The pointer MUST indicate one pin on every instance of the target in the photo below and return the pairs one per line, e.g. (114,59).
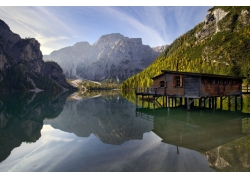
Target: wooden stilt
(215,102)
(241,102)
(212,102)
(200,100)
(235,103)
(221,102)
(188,104)
(142,101)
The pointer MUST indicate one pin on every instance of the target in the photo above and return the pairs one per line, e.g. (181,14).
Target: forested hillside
(219,45)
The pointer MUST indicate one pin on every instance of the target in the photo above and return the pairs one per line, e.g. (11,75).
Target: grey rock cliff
(211,23)
(22,67)
(111,56)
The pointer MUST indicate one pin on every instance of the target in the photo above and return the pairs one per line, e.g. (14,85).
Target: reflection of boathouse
(197,130)
(191,86)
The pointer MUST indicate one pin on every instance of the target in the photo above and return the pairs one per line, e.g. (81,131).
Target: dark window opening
(216,81)
(161,83)
(178,81)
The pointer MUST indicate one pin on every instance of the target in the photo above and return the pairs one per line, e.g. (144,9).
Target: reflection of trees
(232,156)
(223,136)
(109,117)
(22,115)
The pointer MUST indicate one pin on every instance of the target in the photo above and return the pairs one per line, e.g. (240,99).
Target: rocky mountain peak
(211,23)
(112,56)
(22,67)
(3,26)
(30,50)
(135,41)
(160,49)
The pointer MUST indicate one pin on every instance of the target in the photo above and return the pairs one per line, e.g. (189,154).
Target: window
(216,81)
(161,83)
(177,81)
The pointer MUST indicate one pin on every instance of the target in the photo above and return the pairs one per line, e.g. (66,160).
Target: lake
(106,131)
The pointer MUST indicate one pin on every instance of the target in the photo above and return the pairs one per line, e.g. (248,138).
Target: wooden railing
(150,90)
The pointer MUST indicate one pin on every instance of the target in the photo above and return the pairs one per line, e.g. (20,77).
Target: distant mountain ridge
(219,45)
(112,56)
(22,67)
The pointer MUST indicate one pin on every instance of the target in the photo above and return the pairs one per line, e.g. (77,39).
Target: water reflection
(222,136)
(22,115)
(109,117)
(102,131)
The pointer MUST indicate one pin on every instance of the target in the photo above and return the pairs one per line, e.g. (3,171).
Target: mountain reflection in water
(110,118)
(102,131)
(22,115)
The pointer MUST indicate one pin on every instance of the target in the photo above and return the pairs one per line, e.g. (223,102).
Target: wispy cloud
(37,22)
(139,26)
(57,27)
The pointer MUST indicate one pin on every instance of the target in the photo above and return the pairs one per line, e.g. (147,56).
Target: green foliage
(17,78)
(226,52)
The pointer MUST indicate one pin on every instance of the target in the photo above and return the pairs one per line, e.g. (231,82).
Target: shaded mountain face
(111,118)
(112,56)
(219,45)
(22,66)
(22,115)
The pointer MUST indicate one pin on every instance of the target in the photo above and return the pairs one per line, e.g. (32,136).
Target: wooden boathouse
(190,86)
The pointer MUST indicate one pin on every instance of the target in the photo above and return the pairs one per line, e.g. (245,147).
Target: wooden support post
(241,102)
(221,102)
(215,102)
(154,101)
(200,100)
(192,103)
(148,102)
(180,101)
(209,104)
(142,101)
(235,103)
(188,104)
(136,100)
(162,101)
(212,102)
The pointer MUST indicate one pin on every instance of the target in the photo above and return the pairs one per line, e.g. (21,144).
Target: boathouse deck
(190,86)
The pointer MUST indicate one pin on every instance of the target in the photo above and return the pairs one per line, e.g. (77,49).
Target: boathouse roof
(197,74)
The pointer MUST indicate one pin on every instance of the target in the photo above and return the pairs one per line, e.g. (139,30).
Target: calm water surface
(106,132)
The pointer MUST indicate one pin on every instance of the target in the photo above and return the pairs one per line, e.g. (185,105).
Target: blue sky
(56,27)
